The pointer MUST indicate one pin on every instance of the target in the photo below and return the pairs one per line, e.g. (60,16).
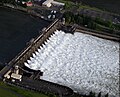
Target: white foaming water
(83,62)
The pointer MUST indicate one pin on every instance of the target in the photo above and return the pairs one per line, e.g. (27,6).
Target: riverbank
(14,91)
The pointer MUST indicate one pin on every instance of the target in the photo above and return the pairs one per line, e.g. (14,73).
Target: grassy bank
(12,91)
(4,93)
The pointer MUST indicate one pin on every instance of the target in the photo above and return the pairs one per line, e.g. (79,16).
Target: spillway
(82,62)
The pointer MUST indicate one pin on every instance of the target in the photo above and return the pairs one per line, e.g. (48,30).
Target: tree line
(95,24)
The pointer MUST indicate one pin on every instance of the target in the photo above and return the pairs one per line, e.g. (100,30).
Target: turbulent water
(83,62)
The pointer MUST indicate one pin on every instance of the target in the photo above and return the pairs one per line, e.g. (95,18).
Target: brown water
(16,29)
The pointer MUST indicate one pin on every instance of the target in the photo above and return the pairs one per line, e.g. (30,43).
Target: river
(16,29)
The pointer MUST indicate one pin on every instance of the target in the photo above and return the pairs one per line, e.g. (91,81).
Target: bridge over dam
(27,52)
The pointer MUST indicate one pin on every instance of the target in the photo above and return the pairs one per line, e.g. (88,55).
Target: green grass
(6,91)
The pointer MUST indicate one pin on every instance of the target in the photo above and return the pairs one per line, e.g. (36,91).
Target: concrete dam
(25,54)
(33,78)
(35,43)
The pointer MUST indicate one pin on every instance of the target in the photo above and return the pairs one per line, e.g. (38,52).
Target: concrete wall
(37,42)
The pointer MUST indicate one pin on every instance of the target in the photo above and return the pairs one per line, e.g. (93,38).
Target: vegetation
(71,15)
(12,91)
(96,24)
(4,93)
